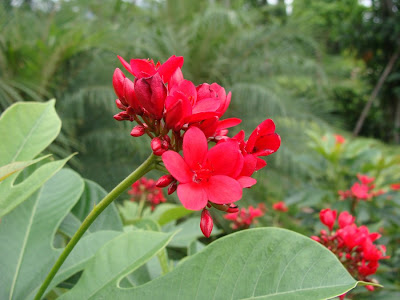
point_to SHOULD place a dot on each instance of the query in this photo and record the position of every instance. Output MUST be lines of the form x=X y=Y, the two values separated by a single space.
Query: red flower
x=339 y=139
x=328 y=217
x=205 y=175
x=280 y=206
x=360 y=191
x=245 y=217
x=146 y=189
x=146 y=68
x=365 y=179
x=345 y=218
x=395 y=186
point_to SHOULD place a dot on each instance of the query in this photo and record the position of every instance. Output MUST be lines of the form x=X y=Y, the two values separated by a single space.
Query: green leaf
x=14 y=195
x=167 y=212
x=128 y=210
x=114 y=260
x=11 y=168
x=109 y=219
x=27 y=233
x=26 y=129
x=262 y=263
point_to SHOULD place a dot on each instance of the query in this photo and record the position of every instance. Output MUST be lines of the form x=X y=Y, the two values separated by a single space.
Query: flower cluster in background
x=146 y=190
x=353 y=245
x=280 y=206
x=177 y=115
x=243 y=218
x=361 y=190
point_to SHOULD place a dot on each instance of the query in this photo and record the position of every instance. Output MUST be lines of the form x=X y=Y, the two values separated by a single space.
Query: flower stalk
x=148 y=165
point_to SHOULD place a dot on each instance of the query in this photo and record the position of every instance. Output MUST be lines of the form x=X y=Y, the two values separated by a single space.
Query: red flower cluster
x=362 y=190
x=339 y=139
x=145 y=189
x=280 y=206
x=177 y=115
x=243 y=218
x=353 y=245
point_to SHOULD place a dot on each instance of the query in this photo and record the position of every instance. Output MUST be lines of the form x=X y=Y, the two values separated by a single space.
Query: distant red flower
x=146 y=189
x=362 y=190
x=328 y=217
x=245 y=217
x=339 y=139
x=280 y=206
x=352 y=245
x=395 y=186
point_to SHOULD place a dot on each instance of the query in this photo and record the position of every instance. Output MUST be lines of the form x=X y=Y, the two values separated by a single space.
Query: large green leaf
x=26 y=129
x=262 y=263
x=92 y=194
x=26 y=238
x=114 y=261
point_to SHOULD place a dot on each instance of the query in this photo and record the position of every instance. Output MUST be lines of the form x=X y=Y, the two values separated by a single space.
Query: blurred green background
x=307 y=64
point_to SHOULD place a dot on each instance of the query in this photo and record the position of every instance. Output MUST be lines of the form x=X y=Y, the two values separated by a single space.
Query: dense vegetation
x=312 y=66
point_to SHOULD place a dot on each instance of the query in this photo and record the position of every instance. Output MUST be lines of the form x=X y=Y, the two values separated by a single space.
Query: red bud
x=159 y=146
x=120 y=105
x=138 y=131
x=206 y=223
x=172 y=188
x=118 y=83
x=164 y=181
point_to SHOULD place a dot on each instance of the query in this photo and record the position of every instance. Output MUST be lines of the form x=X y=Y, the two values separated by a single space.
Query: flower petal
x=246 y=182
x=194 y=147
x=223 y=189
x=206 y=105
x=142 y=68
x=177 y=166
x=227 y=123
x=167 y=69
x=125 y=64
x=192 y=195
x=225 y=158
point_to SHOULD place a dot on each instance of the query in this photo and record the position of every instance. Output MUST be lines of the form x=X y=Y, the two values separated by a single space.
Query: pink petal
x=177 y=166
x=125 y=64
x=260 y=163
x=225 y=158
x=167 y=69
x=175 y=79
x=265 y=128
x=199 y=117
x=194 y=147
x=227 y=123
x=187 y=88
x=223 y=189
x=266 y=145
x=249 y=165
x=246 y=182
x=192 y=195
x=142 y=68
x=206 y=105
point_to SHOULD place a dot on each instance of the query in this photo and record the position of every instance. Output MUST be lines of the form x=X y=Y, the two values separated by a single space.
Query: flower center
x=201 y=175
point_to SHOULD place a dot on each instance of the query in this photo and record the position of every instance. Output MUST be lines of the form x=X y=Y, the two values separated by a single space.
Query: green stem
x=144 y=168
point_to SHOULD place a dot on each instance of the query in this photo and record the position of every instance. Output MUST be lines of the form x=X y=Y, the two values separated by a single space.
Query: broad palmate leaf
x=263 y=263
x=26 y=238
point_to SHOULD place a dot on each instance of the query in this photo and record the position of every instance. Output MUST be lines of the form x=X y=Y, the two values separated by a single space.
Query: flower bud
x=138 y=131
x=232 y=209
x=159 y=146
x=120 y=105
x=122 y=116
x=164 y=181
x=118 y=84
x=151 y=93
x=206 y=223
x=328 y=217
x=172 y=188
